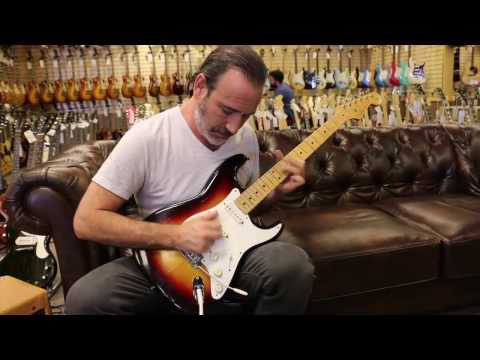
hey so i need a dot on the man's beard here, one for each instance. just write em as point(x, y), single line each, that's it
point(200, 123)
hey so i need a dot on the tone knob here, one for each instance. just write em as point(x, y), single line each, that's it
point(218, 273)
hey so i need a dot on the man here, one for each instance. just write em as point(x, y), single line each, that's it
point(276, 81)
point(169, 158)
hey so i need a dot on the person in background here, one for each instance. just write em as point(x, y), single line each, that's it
point(276, 82)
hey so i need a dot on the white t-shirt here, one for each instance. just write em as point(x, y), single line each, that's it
point(161, 162)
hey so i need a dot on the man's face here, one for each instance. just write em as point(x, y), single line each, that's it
point(273, 82)
point(224, 110)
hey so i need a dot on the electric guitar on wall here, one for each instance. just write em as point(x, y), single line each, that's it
point(60, 89)
point(73, 92)
point(165, 85)
point(33, 92)
point(352, 83)
point(404, 70)
point(329, 74)
point(127, 91)
point(185, 276)
point(153, 87)
point(416, 75)
point(178, 87)
point(394, 80)
point(47, 90)
point(308, 75)
point(113, 92)
point(297, 82)
point(99, 90)
point(85, 83)
point(341, 76)
point(138, 89)
point(320, 78)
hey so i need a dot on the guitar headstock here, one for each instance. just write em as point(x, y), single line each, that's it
point(356, 108)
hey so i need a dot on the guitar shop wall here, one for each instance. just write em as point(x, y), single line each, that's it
point(66, 62)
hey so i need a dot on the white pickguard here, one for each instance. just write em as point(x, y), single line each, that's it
point(239, 235)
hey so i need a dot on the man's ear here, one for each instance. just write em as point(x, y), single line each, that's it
point(200, 89)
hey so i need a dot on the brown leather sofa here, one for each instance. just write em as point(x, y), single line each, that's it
point(390, 217)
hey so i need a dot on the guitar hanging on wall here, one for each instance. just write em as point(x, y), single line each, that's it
point(178, 273)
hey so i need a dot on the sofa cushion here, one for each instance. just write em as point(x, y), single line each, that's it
point(357, 249)
point(455, 218)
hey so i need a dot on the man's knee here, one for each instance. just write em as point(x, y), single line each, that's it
point(289, 263)
point(81, 299)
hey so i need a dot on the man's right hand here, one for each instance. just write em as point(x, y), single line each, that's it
point(199, 234)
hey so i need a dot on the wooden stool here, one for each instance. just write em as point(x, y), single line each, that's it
point(20, 298)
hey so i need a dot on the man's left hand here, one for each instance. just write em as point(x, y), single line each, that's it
point(295, 170)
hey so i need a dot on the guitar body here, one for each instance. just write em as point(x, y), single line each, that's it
point(46, 92)
point(366, 78)
point(173, 272)
point(33, 263)
point(153, 87)
point(138, 89)
point(165, 89)
point(177, 86)
point(98, 91)
point(353, 83)
point(73, 93)
point(404, 73)
point(127, 91)
point(33, 93)
point(416, 76)
point(393, 79)
point(378, 76)
point(320, 79)
point(330, 80)
point(60, 92)
point(359, 78)
point(112, 91)
point(342, 80)
point(85, 90)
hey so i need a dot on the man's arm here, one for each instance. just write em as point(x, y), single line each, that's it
point(96, 219)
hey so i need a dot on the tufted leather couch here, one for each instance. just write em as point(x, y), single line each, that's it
point(390, 217)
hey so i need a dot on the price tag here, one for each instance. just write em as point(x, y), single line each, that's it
point(95, 121)
point(51, 132)
point(42, 64)
point(29, 65)
point(314, 55)
point(108, 61)
point(461, 116)
point(391, 119)
point(30, 136)
point(55, 63)
point(119, 113)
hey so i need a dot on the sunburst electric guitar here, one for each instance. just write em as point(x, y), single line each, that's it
point(179, 274)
